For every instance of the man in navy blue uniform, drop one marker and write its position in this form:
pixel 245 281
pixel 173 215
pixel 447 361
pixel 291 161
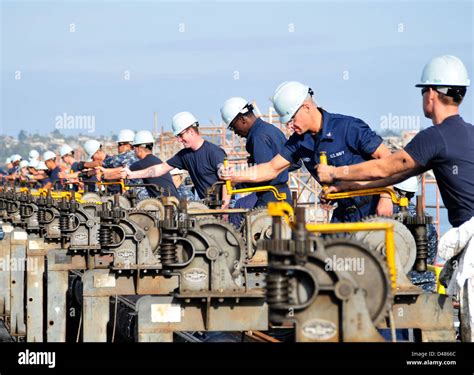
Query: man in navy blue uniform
pixel 199 157
pixel 112 165
pixel 264 141
pixel 447 147
pixel 66 153
pixel 53 169
pixel 143 147
pixel 346 140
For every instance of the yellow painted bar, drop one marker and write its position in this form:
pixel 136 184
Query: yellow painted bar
pixel 402 202
pixel 121 183
pixel 284 209
pixel 256 189
pixel 323 159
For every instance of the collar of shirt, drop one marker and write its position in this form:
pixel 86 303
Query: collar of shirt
pixel 325 134
pixel 452 119
pixel 256 125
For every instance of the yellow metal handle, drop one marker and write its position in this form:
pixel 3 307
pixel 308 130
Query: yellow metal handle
pixel 228 184
pixel 57 194
pixel 323 159
pixel 121 183
pixel 285 210
pixel 257 189
pixel 402 202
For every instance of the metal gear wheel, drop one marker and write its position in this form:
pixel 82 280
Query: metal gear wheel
pixel 405 245
pixel 261 227
pixel 368 269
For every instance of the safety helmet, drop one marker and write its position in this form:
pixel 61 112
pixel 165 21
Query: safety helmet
pixel 126 136
pixel 33 163
pixel 15 158
pixel 288 98
pixel 24 163
pixel 143 137
pixel 48 155
pixel 65 149
pixel 446 71
pixel 409 185
pixel 33 155
pixel 182 121
pixel 42 166
pixel 91 147
pixel 233 107
pixel 8 161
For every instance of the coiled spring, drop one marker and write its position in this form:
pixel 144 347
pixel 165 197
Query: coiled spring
pixel 278 290
pixel 105 236
pixel 168 253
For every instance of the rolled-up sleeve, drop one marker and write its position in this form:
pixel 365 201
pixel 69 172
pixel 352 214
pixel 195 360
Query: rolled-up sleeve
pixel 290 150
pixel 425 146
pixel 361 138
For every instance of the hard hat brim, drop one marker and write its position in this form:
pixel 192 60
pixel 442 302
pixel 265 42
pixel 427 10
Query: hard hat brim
pixel 176 133
pixel 285 119
pixel 438 85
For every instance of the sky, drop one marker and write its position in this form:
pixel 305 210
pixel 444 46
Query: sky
pixel 118 62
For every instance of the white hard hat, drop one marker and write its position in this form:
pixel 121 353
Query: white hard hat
pixel 33 163
pixel 48 155
pixel 15 158
pixel 176 171
pixel 288 98
pixel 33 155
pixel 65 149
pixel 24 163
pixel 143 137
pixel 444 70
pixel 8 161
pixel 42 166
pixel 91 147
pixel 233 107
pixel 409 185
pixel 182 121
pixel 126 135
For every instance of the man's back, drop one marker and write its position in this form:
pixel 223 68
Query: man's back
pixel 448 149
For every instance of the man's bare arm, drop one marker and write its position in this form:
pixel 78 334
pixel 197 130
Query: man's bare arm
pixel 110 173
pixel 153 171
pixel 381 152
pixel 262 172
pixel 396 163
pixel 226 197
pixel 92 164
pixel 384 182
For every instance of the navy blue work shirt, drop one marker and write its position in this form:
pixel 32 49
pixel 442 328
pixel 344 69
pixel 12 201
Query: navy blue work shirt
pixel 165 182
pixel 448 149
pixel 201 164
pixel 346 141
pixel 53 176
pixel 264 142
